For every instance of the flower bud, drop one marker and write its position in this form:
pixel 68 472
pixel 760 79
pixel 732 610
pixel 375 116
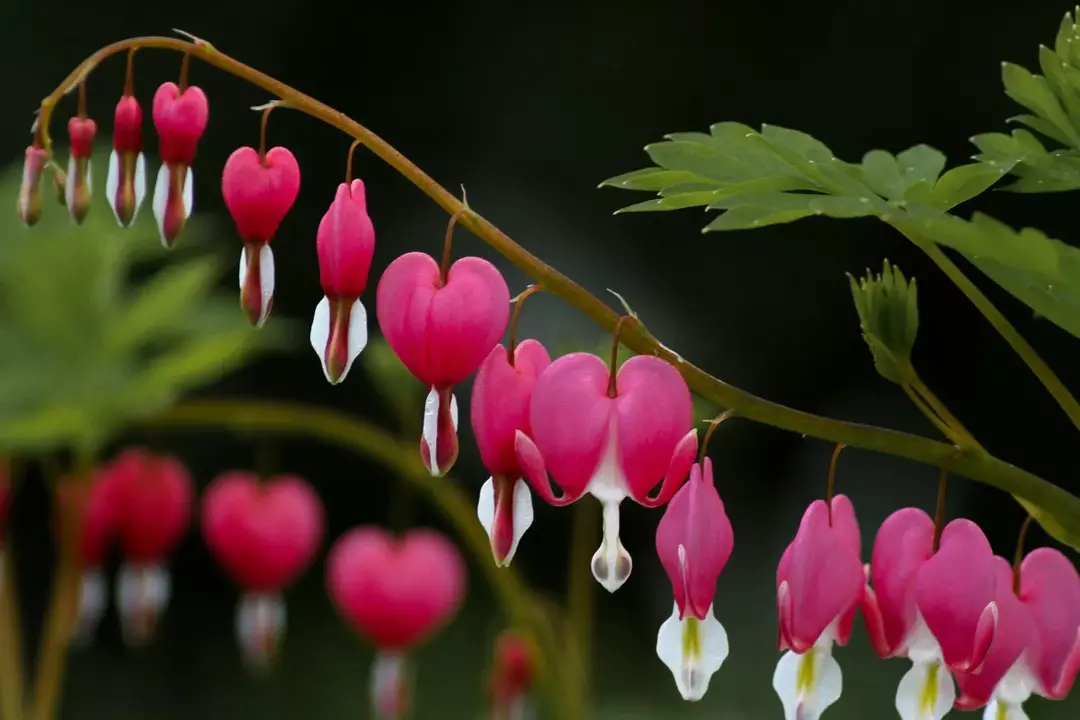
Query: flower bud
pixel 126 181
pixel 29 203
pixel 889 315
pixel 79 182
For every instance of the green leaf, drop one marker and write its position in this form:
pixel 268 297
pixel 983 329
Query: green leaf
pixel 754 216
pixel 882 174
pixel 920 163
pixel 1056 74
pixel 653 178
pixel 1051 525
pixel 965 182
pixel 1040 125
pixel 1034 93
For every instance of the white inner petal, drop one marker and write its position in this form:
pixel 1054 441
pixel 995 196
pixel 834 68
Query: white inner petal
pixel 140 185
pixel 693 650
pixel 611 564
pixel 453 410
pixel 69 187
pixel 142 594
pixel 926 692
pixel 808 684
pixel 358 339
pixel 320 328
pixel 189 193
pixel 998 709
pixel 260 623
pixel 161 201
pixel 389 685
pixel 431 428
pixel 93 599
pixel 266 278
pixel 243 266
pixel 922 646
pixel 112 183
pixel 521 507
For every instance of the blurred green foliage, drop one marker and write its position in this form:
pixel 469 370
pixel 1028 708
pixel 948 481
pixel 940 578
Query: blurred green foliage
pixel 100 325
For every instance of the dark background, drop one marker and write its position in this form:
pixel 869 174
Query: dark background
pixel 529 106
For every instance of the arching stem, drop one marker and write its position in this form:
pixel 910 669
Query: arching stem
pixel 939 513
pixel 448 244
pixel 616 341
pixel 1018 558
pixel 713 424
pixel 349 161
pixel 518 302
pixel 830 484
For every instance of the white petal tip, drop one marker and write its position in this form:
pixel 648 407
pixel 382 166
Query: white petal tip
pixel 693 650
pixel 142 594
pixel 511 528
pixel 260 624
pixel 926 692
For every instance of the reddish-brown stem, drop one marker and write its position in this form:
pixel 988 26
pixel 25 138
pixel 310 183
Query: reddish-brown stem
pixel 969 462
pixel 939 513
pixel 129 74
pixel 616 340
pixel 269 108
pixel 518 302
pixel 349 161
pixel 713 424
pixel 830 484
pixel 81 112
pixel 185 68
pixel 1018 558
pixel 448 244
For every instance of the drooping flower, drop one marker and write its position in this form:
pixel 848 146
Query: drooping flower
pixel 1004 680
pixel 29 203
pixel 1050 589
pixel 501 393
pixel 345 245
pixel 512 677
pixel 153 496
pixel 265 535
pixel 125 183
pixel 259 189
pixel 93 505
pixel 441 327
pixel 694 541
pixel 396 592
pixel 79 185
pixel 819 583
pixel 614 435
pixel 180 117
pixel 937 609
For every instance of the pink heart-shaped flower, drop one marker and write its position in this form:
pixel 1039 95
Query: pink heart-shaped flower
pixel 396 592
pixel 1050 589
pixel 264 534
pixel 259 192
pixel 153 496
pixel 180 119
pixel 345 243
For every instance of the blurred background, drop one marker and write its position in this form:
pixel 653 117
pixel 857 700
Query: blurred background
pixel 530 106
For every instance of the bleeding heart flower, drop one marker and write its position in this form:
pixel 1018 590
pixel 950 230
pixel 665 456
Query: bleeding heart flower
pixel 345 244
pixel 396 593
pixel 694 541
pixel 511 677
pixel 441 328
pixel 1050 589
pixel 819 583
pixel 614 437
pixel 153 496
pixel 500 409
pixel 265 535
pixel 1005 679
pixel 125 183
pixel 936 609
pixel 180 117
pixel 79 184
pixel 29 202
pixel 259 190
pixel 94 505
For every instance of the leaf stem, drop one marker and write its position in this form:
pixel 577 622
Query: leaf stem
pixel 581 600
pixel 401 457
pixel 974 465
pixel 11 673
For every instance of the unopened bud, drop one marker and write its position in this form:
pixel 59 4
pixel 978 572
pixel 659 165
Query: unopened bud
pixel 29 203
pixel 79 182
pixel 889 316
pixel 59 183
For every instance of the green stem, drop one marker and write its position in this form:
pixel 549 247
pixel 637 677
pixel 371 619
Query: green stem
pixel 581 598
pixel 403 459
pixel 977 466
pixel 932 416
pixel 1027 353
pixel 11 674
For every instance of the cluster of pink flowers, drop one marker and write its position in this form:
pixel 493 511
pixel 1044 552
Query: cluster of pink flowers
pixel 561 429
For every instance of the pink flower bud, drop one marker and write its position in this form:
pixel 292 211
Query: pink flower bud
pixel 259 192
pixel 29 203
pixel 345 245
pixel 500 409
pixel 153 496
pixel 180 118
pixel 125 183
pixel 442 331
pixel 511 677
pixel 79 182
pixel 614 447
pixel 265 535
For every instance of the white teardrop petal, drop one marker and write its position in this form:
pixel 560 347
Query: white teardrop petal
pixel 693 650
pixel 89 178
pixel 453 410
pixel 998 709
pixel 260 623
pixel 161 200
pixel 611 563
pixel 808 684
pixel 389 685
pixel 358 337
pixel 69 187
pixel 926 692
pixel 320 330
pixel 93 599
pixel 266 281
pixel 142 594
pixel 112 184
pixel 243 266
pixel 140 184
pixel 189 193
pixel 431 428
pixel 523 516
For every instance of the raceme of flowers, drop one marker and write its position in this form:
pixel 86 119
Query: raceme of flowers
pixel 980 632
